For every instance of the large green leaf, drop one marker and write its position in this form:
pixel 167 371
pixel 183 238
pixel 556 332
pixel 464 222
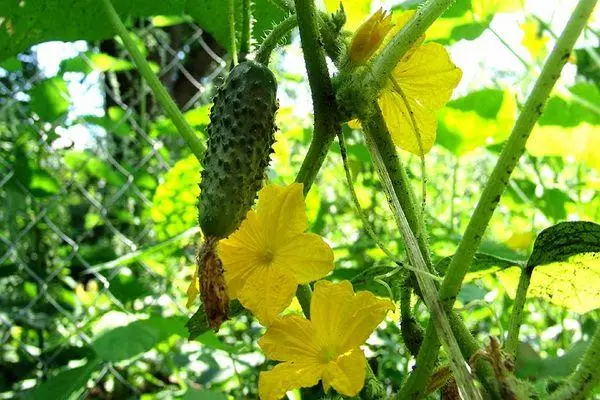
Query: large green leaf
pixel 137 337
pixel 529 364
pixel 64 384
pixel 30 22
pixel 565 265
pixel 578 106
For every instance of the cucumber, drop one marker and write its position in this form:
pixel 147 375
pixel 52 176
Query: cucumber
pixel 240 140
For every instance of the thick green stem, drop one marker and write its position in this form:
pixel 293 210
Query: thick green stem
pixel 512 151
pixel 274 37
pixel 326 123
pixel 512 339
pixel 499 178
pixel 426 284
pixel 159 91
pixel 246 28
pixel 586 377
pixel 232 38
pixel 383 65
pixel 383 141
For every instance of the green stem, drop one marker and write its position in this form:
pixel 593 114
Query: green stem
pixel 246 28
pixel 232 38
pixel 586 377
pixel 159 91
pixel 427 285
pixel 512 151
pixel 326 124
pixel 512 339
pixel 383 141
pixel 383 65
pixel 274 38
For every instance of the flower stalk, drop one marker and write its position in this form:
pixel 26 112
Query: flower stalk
pixel 159 91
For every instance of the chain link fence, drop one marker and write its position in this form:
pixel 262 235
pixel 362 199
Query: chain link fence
pixel 84 152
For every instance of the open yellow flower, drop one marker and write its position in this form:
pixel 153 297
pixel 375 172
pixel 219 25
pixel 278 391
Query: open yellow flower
pixel 326 347
pixel 270 254
pixel 420 85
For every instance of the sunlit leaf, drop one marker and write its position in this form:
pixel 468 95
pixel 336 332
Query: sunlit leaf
pixel 89 61
pixel 482 264
pixel 50 98
pixel 486 8
pixel 131 340
pixel 481 118
pixel 566 267
pixel 535 40
pixel 174 203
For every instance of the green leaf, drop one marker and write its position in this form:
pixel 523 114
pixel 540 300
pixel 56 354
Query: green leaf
pixel 94 166
pixel 587 64
pixel 174 205
pixel 50 98
pixel 211 15
pixel 89 61
pixel 202 394
pixel 565 265
pixel 43 184
pixel 11 64
pixel 138 337
pixel 31 22
pixel 64 384
pixel 529 364
pixel 571 110
pixel 480 118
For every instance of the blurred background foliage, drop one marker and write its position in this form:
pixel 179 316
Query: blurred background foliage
pixel 98 194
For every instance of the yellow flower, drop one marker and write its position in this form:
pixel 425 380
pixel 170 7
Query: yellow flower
pixel 269 255
pixel 369 36
pixel 420 85
pixel 326 347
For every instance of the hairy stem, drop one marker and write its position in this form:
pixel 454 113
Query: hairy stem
pixel 383 65
pixel 512 339
pixel 427 285
pixel 274 37
pixel 586 377
pixel 246 28
pixel 383 141
pixel 326 124
pixel 231 23
pixel 159 91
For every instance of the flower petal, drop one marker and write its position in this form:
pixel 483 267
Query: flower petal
pixel 241 253
pixel 347 373
pixel 273 384
pixel 400 124
pixel 192 290
pixel 281 212
pixel 344 320
pixel 268 290
pixel 307 256
pixel 290 337
pixel 421 84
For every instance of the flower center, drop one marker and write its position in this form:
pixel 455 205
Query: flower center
pixel 328 354
pixel 267 257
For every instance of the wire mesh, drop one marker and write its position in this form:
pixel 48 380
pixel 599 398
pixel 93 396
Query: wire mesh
pixel 76 192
